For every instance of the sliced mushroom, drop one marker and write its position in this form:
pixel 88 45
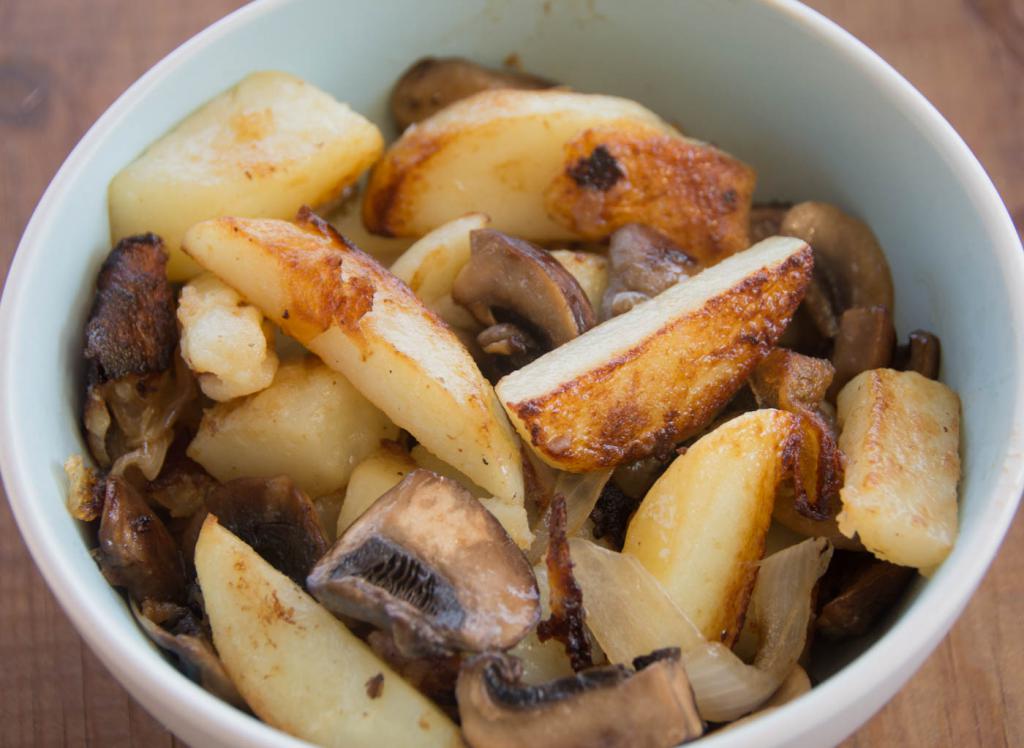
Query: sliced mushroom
pixel 611 515
pixel 433 83
pixel 865 341
pixel 429 564
pixel 187 641
pixel 857 589
pixel 642 263
pixel 275 518
pixel 846 253
pixel 507 340
pixel 136 551
pixel 923 354
pixel 651 707
pixel 766 220
pixel 434 677
pixel 509 280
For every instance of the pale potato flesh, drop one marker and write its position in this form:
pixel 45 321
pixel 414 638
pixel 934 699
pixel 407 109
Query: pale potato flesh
pixel 225 341
pixel 589 269
pixel 900 433
pixel 495 152
pixel 297 666
pixel 311 424
pixel 648 379
pixel 701 528
pixel 371 479
pixel 430 265
pixel 265 147
pixel 368 325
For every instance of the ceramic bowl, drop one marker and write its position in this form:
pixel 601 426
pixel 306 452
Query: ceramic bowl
pixel 817 113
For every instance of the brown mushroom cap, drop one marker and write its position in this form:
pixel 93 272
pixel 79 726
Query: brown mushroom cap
pixel 275 518
pixel 432 83
pixel 135 550
pixel 612 706
pixel 509 276
pixel 642 263
pixel 865 341
pixel 846 252
pixel 857 589
pixel 430 564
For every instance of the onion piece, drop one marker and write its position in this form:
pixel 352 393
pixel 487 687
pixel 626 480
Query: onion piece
pixel 629 614
pixel 581 492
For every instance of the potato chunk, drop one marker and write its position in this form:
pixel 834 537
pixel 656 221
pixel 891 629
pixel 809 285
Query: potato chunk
pixel 365 323
pixel 225 341
pixel 647 379
pixel 265 147
pixel 901 437
pixel 430 265
pixel 296 665
pixel 701 529
pixel 695 194
pixel 589 269
pixel 311 424
pixel 372 478
pixel 495 152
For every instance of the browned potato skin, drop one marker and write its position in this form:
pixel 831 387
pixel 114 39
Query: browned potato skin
pixel 695 194
pixel 729 336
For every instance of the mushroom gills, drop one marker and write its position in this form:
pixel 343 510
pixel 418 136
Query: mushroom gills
pixel 429 564
pixel 649 707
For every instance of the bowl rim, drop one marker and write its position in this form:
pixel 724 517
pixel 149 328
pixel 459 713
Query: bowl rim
pixel 872 678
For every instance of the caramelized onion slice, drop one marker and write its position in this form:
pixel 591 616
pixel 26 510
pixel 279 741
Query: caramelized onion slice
pixel 629 614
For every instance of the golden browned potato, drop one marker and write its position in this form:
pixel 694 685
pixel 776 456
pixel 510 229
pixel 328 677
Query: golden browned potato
pixel 691 192
pixel 311 424
pixel 901 437
pixel 589 269
pixel 496 153
pixel 297 666
pixel 265 147
pixel 701 528
pixel 365 323
pixel 647 379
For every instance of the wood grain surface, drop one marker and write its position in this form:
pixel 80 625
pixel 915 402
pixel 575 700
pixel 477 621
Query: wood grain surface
pixel 62 62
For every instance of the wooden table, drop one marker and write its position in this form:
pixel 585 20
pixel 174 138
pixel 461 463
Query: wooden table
pixel 62 62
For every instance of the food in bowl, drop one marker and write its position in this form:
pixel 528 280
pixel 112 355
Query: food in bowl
pixel 518 488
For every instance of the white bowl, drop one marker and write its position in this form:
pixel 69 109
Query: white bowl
pixel 817 113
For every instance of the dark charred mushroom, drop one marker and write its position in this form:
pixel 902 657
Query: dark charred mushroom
pixel 857 589
pixel 641 264
pixel 191 646
pixel 433 83
pixel 611 515
pixel 132 328
pixel 865 341
pixel 429 564
pixel 274 517
pixel 651 707
pixel 136 551
pixel 511 282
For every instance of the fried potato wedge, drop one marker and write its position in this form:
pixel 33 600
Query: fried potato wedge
pixel 265 147
pixel 900 433
pixel 296 665
pixel 589 269
pixel 647 379
pixel 311 424
pixel 365 323
pixel 495 152
pixel 691 192
pixel 701 529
